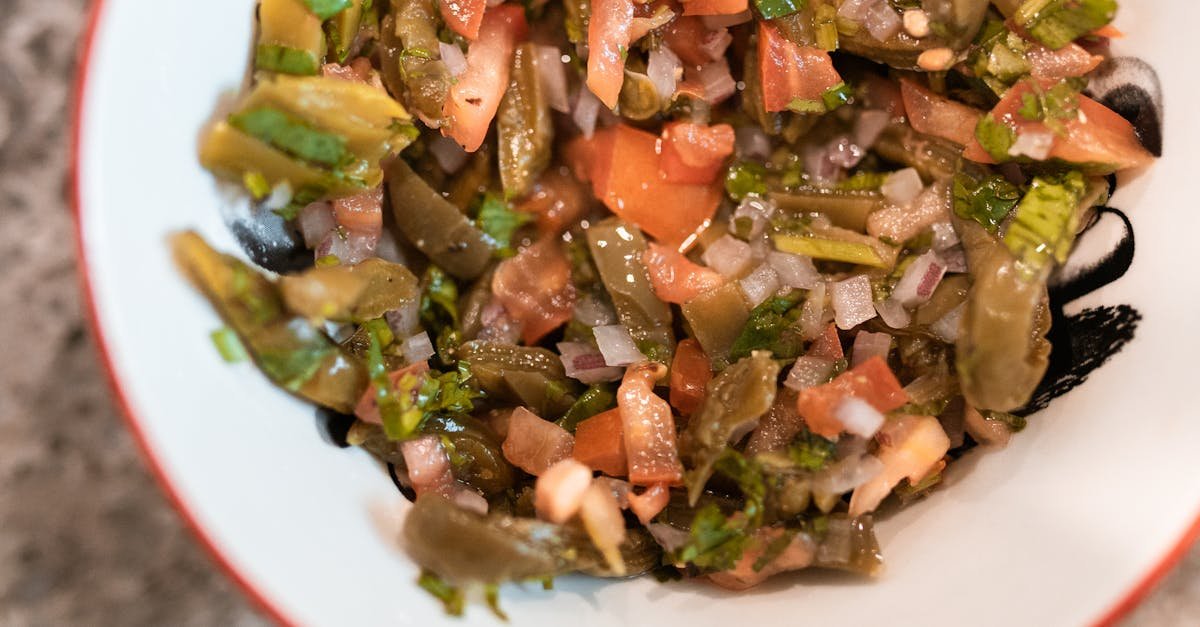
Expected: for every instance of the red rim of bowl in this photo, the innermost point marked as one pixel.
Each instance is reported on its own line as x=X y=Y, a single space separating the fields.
x=1114 y=613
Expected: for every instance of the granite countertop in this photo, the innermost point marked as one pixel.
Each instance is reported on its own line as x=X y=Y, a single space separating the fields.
x=86 y=537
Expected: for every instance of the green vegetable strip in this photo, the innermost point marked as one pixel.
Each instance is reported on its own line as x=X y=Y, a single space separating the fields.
x=326 y=9
x=595 y=399
x=825 y=27
x=292 y=136
x=275 y=58
x=828 y=249
x=229 y=346
x=771 y=9
x=1057 y=23
x=837 y=96
x=1045 y=223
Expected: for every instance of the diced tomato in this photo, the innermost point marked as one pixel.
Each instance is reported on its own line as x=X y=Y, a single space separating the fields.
x=937 y=115
x=675 y=278
x=1109 y=31
x=361 y=213
x=624 y=171
x=533 y=444
x=790 y=72
x=871 y=381
x=828 y=345
x=1066 y=62
x=650 y=503
x=649 y=428
x=909 y=447
x=609 y=35
x=748 y=572
x=558 y=201
x=429 y=467
x=600 y=443
x=535 y=288
x=691 y=370
x=714 y=7
x=474 y=97
x=685 y=36
x=559 y=491
x=367 y=409
x=1097 y=137
x=464 y=16
x=695 y=153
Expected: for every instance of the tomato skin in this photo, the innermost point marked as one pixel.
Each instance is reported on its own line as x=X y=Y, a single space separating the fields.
x=685 y=36
x=464 y=16
x=648 y=427
x=535 y=288
x=361 y=213
x=600 y=443
x=473 y=99
x=828 y=345
x=714 y=7
x=650 y=503
x=534 y=444
x=609 y=34
x=691 y=370
x=790 y=72
x=695 y=153
x=675 y=278
x=937 y=115
x=871 y=381
x=1098 y=137
x=623 y=165
x=1066 y=62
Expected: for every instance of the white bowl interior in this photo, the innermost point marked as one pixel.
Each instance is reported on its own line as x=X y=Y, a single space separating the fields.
x=1056 y=529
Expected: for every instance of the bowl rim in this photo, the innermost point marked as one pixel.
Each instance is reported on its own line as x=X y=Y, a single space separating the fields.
x=1117 y=610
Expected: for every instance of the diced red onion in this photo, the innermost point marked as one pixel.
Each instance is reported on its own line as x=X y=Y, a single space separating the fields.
x=869 y=127
x=713 y=22
x=668 y=537
x=878 y=16
x=388 y=248
x=497 y=326
x=587 y=109
x=716 y=42
x=717 y=81
x=586 y=364
x=594 y=312
x=850 y=472
x=858 y=417
x=315 y=221
x=809 y=372
x=404 y=320
x=868 y=345
x=893 y=313
x=417 y=348
x=664 y=69
x=903 y=186
x=450 y=156
x=752 y=142
x=617 y=346
x=453 y=57
x=728 y=255
x=920 y=279
x=948 y=326
x=843 y=152
x=552 y=74
x=944 y=236
x=1033 y=144
x=852 y=302
x=955 y=259
x=812 y=314
x=759 y=285
x=794 y=271
x=819 y=167
x=470 y=500
x=281 y=196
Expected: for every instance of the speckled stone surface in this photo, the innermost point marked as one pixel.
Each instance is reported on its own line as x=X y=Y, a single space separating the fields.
x=86 y=537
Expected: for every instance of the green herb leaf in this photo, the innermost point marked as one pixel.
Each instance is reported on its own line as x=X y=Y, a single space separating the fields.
x=716 y=541
x=499 y=222
x=439 y=311
x=229 y=345
x=451 y=597
x=274 y=58
x=995 y=137
x=770 y=328
x=326 y=9
x=745 y=178
x=1057 y=23
x=987 y=201
x=811 y=451
x=292 y=135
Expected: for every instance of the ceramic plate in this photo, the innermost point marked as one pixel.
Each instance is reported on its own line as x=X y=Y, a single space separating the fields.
x=1069 y=525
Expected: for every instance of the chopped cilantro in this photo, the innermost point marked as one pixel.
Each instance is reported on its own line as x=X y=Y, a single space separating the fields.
x=299 y=356
x=293 y=136
x=995 y=137
x=499 y=223
x=745 y=178
x=811 y=451
x=1057 y=23
x=326 y=9
x=716 y=541
x=439 y=312
x=770 y=328
x=987 y=200
x=275 y=58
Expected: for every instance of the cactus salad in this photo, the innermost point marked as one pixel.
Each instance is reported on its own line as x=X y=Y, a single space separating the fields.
x=690 y=287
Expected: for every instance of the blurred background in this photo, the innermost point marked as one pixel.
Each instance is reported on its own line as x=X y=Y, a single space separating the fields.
x=86 y=536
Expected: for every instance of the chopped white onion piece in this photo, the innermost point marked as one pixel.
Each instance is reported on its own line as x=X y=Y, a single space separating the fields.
x=752 y=142
x=844 y=152
x=812 y=314
x=350 y=248
x=281 y=196
x=944 y=236
x=893 y=313
x=809 y=372
x=498 y=326
x=552 y=74
x=869 y=127
x=594 y=312
x=664 y=69
x=587 y=109
x=453 y=57
x=417 y=348
x=948 y=326
x=858 y=417
x=315 y=222
x=878 y=16
x=794 y=271
x=852 y=302
x=449 y=155
x=713 y=22
x=729 y=256
x=903 y=186
x=1033 y=144
x=717 y=81
x=617 y=346
x=758 y=210
x=759 y=285
x=819 y=168
x=470 y=500
x=868 y=345
x=920 y=279
x=586 y=364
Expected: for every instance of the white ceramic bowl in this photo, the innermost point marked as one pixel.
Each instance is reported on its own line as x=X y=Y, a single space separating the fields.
x=1070 y=525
